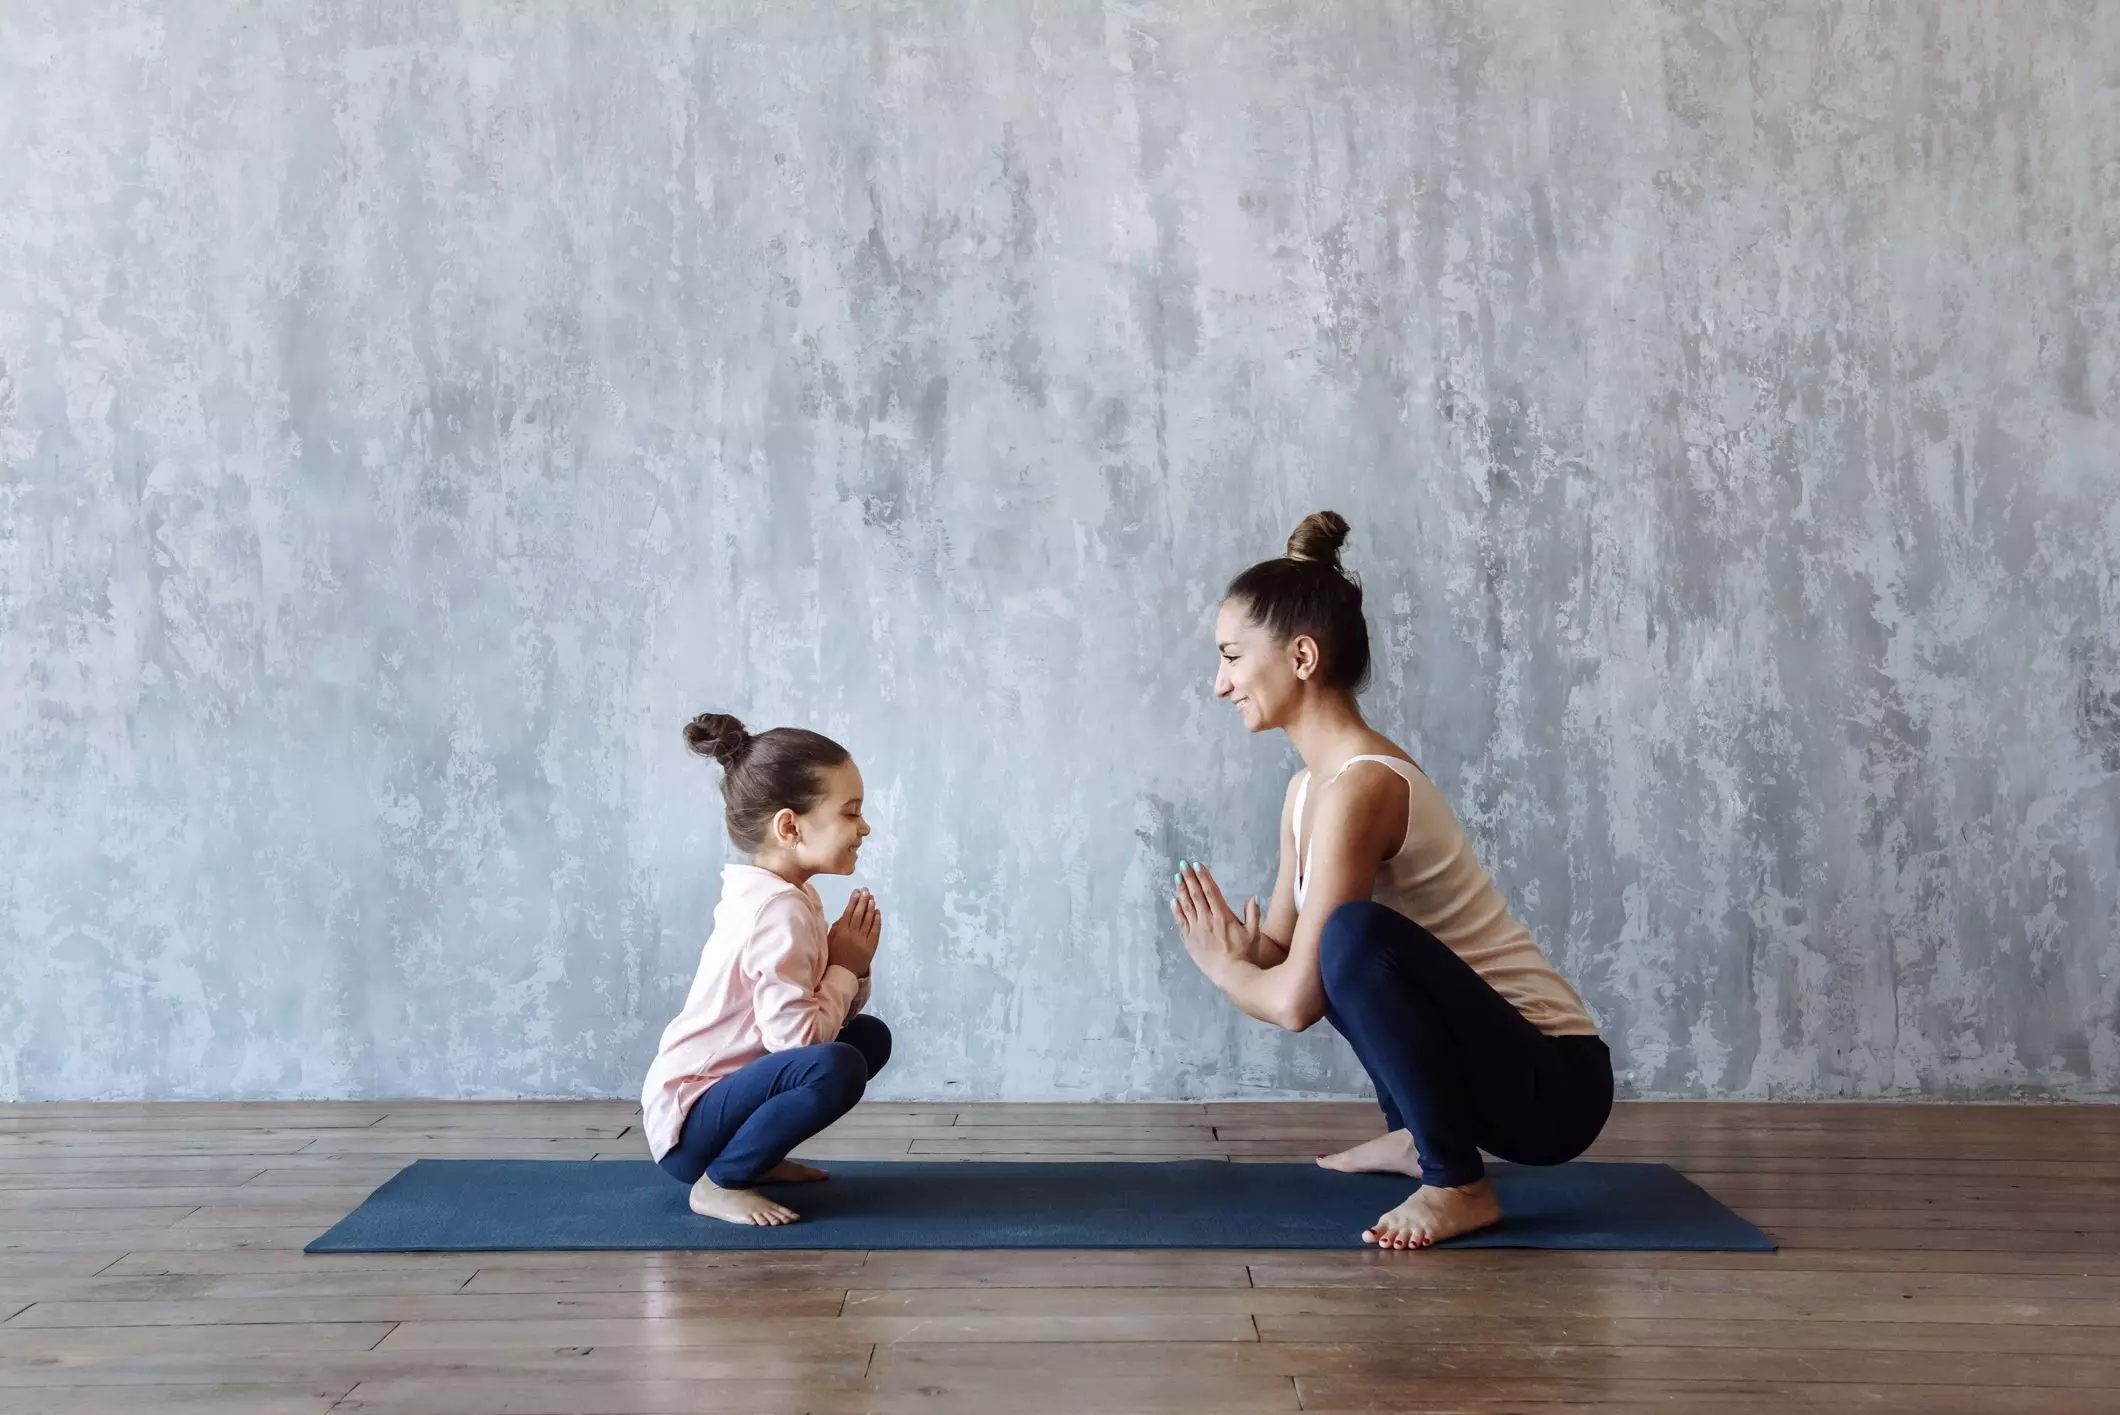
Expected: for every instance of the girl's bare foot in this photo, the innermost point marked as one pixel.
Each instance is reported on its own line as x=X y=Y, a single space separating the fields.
x=1386 y=1154
x=1431 y=1214
x=792 y=1172
x=710 y=1200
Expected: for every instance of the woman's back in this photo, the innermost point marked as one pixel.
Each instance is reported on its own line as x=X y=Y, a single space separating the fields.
x=1435 y=880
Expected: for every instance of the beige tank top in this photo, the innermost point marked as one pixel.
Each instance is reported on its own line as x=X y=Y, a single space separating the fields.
x=1435 y=881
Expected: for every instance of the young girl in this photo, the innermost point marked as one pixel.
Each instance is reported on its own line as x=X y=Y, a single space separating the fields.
x=769 y=1048
x=1383 y=922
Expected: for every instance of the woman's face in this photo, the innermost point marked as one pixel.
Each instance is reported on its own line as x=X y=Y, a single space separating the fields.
x=832 y=830
x=1257 y=674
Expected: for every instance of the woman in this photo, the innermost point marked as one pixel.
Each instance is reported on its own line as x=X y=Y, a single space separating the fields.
x=1383 y=923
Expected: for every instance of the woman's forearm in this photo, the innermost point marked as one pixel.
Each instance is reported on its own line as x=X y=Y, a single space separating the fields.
x=1250 y=987
x=1266 y=994
x=1268 y=951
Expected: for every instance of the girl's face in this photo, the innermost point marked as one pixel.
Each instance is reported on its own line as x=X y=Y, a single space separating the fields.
x=1263 y=678
x=830 y=833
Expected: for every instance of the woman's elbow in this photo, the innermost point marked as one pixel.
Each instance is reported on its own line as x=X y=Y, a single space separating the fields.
x=1301 y=1016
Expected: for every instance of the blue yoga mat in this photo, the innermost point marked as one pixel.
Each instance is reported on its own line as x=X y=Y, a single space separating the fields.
x=479 y=1206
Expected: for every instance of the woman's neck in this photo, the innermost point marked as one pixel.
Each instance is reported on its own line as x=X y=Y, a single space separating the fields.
x=1327 y=730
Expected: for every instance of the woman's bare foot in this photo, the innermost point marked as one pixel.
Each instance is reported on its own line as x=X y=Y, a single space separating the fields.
x=1386 y=1154
x=710 y=1200
x=792 y=1172
x=1431 y=1215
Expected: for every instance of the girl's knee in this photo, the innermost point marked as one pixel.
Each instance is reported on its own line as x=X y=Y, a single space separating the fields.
x=869 y=1036
x=1348 y=945
x=846 y=1073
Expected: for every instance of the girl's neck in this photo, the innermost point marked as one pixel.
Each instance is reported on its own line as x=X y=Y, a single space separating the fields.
x=779 y=863
x=1327 y=730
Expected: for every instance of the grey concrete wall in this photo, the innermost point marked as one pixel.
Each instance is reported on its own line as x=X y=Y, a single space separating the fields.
x=411 y=413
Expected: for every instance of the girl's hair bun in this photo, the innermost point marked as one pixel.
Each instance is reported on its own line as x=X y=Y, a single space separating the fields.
x=720 y=736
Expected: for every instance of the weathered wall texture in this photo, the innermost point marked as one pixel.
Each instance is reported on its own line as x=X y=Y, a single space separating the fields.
x=413 y=412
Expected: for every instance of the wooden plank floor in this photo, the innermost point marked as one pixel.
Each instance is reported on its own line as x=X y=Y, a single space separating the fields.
x=1936 y=1259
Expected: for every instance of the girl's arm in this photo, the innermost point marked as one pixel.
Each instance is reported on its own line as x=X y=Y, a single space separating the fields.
x=800 y=999
x=1360 y=821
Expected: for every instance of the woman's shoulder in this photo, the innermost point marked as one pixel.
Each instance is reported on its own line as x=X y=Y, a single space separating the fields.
x=1379 y=791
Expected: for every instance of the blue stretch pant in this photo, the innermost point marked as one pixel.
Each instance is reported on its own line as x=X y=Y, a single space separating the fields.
x=750 y=1119
x=1452 y=1059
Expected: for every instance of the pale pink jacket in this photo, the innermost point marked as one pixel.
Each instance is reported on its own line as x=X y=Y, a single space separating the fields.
x=765 y=984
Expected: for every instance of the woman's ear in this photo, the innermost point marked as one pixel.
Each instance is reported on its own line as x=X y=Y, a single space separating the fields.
x=1304 y=657
x=786 y=829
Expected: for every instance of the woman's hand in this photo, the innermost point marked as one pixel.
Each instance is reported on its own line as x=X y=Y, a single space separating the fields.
x=1214 y=935
x=852 y=941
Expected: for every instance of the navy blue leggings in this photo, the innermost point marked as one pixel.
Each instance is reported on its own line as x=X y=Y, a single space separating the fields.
x=749 y=1120
x=1453 y=1061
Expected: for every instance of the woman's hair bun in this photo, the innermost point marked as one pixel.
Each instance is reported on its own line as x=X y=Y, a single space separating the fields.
x=1319 y=538
x=720 y=736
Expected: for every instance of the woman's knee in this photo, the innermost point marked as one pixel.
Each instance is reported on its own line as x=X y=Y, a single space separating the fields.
x=1348 y=947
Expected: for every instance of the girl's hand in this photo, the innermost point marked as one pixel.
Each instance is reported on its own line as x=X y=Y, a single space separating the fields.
x=1213 y=933
x=852 y=941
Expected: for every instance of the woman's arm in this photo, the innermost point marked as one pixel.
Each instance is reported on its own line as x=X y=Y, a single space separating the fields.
x=1360 y=820
x=1271 y=946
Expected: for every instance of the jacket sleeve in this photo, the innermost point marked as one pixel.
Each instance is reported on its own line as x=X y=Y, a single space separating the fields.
x=800 y=997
